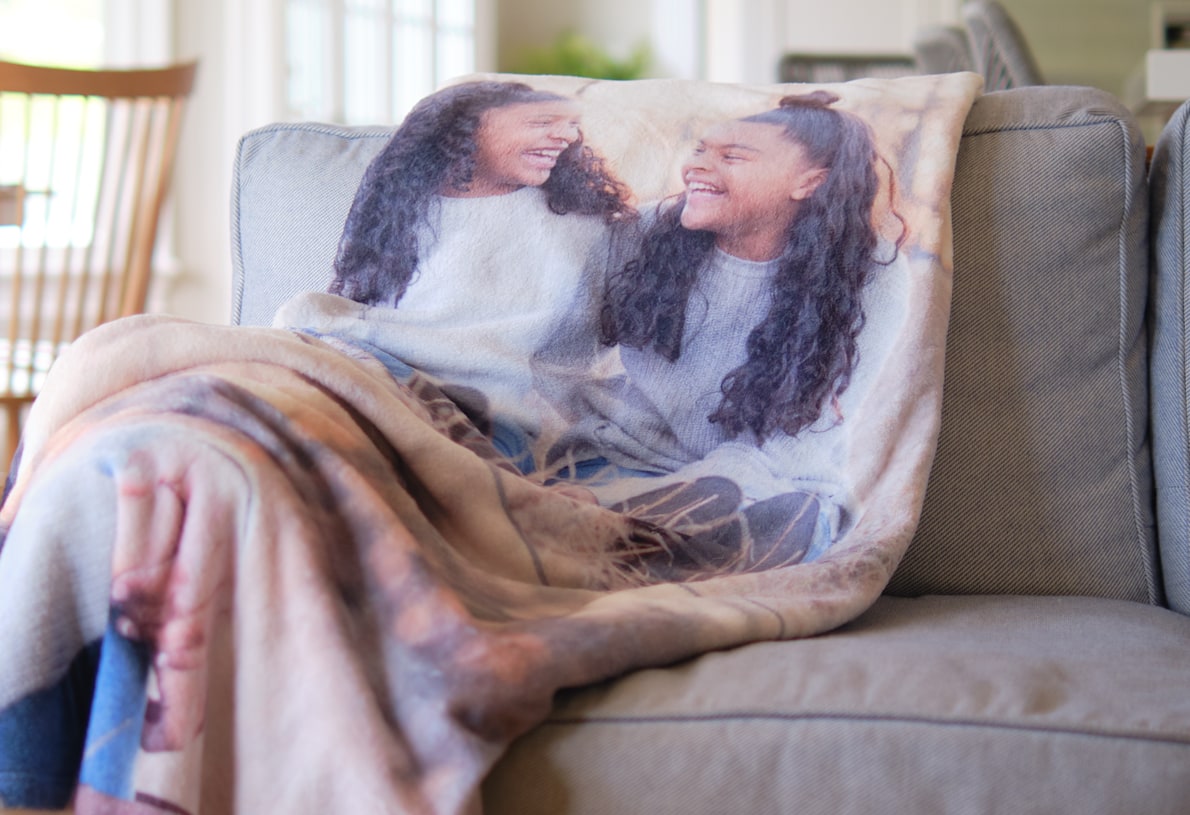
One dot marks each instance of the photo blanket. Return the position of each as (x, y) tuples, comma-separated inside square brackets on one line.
[(604, 376)]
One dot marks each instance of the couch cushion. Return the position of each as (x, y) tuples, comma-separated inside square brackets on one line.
[(938, 704), (1169, 186), (1042, 482), (292, 188)]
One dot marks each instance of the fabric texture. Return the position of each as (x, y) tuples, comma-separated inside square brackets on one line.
[(998, 47), (687, 390), (533, 300), (1171, 333), (1043, 483), (936, 704), (298, 549), (942, 49), (279, 248)]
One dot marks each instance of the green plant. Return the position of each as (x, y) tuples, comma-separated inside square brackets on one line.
[(572, 54)]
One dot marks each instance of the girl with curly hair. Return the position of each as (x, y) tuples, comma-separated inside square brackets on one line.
[(739, 315), (470, 141), (480, 233)]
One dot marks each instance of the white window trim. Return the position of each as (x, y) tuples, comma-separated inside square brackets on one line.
[(328, 69)]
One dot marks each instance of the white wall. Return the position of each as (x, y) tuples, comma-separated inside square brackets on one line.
[(233, 95), (849, 26), (1085, 42)]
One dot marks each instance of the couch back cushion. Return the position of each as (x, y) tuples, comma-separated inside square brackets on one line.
[(1042, 482), (291, 189), (1042, 479)]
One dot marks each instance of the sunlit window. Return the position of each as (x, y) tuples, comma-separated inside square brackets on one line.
[(369, 61), (34, 163), (66, 33), (51, 154)]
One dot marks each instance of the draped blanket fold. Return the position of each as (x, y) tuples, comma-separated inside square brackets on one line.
[(260, 570)]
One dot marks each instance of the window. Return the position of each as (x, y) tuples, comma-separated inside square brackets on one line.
[(56, 175), (369, 61), (51, 151), (67, 33), (75, 40)]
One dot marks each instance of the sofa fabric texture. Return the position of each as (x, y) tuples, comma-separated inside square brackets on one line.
[(998, 47), (1171, 336), (280, 244), (1042, 480), (938, 704)]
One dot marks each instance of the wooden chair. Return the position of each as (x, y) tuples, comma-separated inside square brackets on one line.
[(85, 163)]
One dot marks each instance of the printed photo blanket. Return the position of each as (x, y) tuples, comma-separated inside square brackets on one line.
[(604, 376)]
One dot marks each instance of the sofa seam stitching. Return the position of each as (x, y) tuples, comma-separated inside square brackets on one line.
[(1122, 286), (877, 718), (1023, 127), (339, 131), (1180, 191), (237, 241)]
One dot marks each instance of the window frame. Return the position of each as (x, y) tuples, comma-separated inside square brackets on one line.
[(316, 82)]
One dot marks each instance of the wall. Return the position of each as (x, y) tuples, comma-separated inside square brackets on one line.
[(235, 92), (202, 178), (1084, 42)]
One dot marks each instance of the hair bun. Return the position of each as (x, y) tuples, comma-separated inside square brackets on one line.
[(815, 99)]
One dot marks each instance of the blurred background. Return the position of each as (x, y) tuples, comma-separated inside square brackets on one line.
[(367, 61)]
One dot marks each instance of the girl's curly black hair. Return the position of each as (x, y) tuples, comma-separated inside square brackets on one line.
[(801, 355), (433, 151)]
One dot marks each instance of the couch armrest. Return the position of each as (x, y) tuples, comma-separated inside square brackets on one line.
[(1170, 243)]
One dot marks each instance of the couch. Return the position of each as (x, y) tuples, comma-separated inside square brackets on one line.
[(1032, 653)]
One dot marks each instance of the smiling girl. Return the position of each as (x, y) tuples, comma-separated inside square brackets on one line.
[(738, 317), (416, 203), (477, 242), (737, 320)]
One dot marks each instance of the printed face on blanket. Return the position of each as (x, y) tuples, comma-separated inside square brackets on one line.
[(736, 272), (468, 141), (735, 268)]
